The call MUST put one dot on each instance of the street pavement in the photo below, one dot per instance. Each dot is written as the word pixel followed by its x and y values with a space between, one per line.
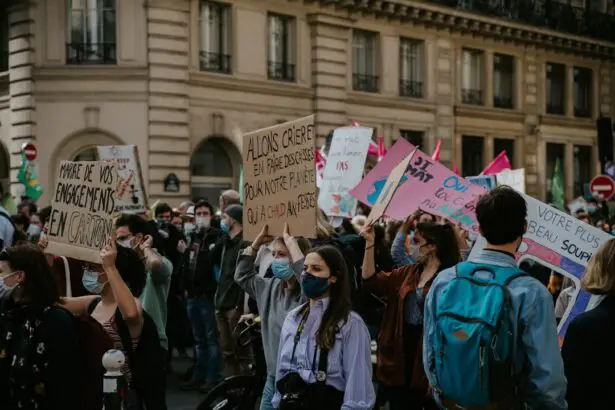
pixel 177 399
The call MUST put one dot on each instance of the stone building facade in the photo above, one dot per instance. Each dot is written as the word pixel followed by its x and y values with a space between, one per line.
pixel 180 78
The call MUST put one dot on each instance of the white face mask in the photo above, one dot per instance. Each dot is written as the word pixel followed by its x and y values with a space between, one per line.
pixel 203 221
pixel 6 291
pixel 126 243
pixel 188 228
pixel 414 252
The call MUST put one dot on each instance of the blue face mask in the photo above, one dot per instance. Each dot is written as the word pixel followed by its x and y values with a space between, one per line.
pixel 90 282
pixel 281 268
pixel 591 209
pixel 225 228
pixel 313 286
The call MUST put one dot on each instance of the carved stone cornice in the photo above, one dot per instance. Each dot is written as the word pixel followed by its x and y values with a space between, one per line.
pixel 464 22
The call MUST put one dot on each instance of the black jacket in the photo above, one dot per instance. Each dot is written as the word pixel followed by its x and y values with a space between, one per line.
pixel 589 358
pixel 200 279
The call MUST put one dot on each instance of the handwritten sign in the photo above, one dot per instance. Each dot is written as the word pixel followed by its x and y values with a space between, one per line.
pixel 280 179
pixel 131 197
pixel 486 181
pixel 83 209
pixel 344 170
pixel 562 243
pixel 390 187
pixel 514 178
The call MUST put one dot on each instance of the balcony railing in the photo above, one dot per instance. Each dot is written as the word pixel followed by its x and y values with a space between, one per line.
pixel 90 53
pixel 365 82
pixel 409 88
pixel 472 96
pixel 549 14
pixel 4 61
pixel 215 62
pixel 556 108
pixel 582 112
pixel 502 102
pixel 281 71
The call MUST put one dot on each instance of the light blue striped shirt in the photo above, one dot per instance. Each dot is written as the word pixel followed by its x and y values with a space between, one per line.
pixel 350 364
pixel 544 386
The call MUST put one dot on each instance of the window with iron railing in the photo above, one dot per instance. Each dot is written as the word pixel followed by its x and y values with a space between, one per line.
pixel 556 89
pixel 364 72
pixel 472 77
pixel 472 155
pixel 582 92
pixel 503 81
pixel 91 32
pixel 411 62
pixel 281 57
pixel 215 26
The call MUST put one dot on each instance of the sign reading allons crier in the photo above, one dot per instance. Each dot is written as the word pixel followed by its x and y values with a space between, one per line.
pixel 280 179
pixel 83 207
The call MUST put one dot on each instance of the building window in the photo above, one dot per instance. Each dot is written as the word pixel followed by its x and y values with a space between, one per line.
pixel 556 88
pixel 503 81
pixel 281 59
pixel 413 137
pixel 504 144
pixel 215 25
pixel 411 59
pixel 91 32
pixel 86 154
pixel 364 71
pixel 472 155
pixel 212 169
pixel 472 77
pixel 554 152
pixel 582 158
pixel 582 92
pixel 4 42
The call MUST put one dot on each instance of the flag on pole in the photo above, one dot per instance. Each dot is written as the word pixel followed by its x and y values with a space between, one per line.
pixel 499 164
pixel 27 175
pixel 382 149
pixel 455 167
pixel 321 162
pixel 557 186
pixel 436 153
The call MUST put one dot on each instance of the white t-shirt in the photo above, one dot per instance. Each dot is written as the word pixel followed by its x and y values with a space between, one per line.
pixel 6 229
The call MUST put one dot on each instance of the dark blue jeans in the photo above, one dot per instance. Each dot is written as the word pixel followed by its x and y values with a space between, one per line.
pixel 201 313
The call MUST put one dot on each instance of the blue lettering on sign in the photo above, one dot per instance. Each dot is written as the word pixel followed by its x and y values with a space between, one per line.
pixel 454 183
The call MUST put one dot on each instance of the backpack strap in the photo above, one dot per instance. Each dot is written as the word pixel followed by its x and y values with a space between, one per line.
pixel 499 274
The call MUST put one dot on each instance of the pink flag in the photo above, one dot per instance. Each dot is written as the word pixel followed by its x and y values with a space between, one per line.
pixel 382 149
pixel 321 162
pixel 500 163
pixel 436 154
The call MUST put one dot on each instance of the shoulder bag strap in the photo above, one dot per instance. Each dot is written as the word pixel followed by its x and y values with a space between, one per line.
pixel 69 287
pixel 93 305
pixel 124 334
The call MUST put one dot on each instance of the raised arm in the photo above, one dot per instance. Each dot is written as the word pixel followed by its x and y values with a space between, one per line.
pixel 369 265
pixel 246 275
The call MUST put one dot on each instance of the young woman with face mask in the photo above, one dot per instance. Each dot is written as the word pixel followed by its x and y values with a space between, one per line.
pixel 324 356
pixel 400 365
pixel 275 296
pixel 39 360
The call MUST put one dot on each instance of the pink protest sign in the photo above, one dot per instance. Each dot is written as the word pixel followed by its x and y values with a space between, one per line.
pixel 427 185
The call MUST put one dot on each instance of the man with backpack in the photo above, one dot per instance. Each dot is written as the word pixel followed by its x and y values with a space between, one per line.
pixel 7 228
pixel 490 337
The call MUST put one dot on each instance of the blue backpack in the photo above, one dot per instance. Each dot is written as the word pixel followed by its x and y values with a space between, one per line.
pixel 474 337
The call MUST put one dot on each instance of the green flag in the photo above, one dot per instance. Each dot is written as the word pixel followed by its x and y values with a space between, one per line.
pixel 557 187
pixel 241 184
pixel 27 175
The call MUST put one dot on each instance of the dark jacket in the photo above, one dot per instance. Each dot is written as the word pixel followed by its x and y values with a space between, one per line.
pixel 589 358
pixel 228 295
pixel 200 279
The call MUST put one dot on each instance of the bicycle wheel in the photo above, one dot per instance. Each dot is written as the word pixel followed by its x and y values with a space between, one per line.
pixel 234 393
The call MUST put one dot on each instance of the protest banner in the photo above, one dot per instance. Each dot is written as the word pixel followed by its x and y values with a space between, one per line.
pixel 344 170
pixel 561 243
pixel 427 185
pixel 83 209
pixel 514 178
pixel 280 179
pixel 390 187
pixel 131 196
pixel 486 181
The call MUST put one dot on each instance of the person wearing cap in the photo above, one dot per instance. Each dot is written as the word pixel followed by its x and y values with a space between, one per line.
pixel 229 300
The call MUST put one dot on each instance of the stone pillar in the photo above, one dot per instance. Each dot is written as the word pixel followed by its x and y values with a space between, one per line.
pixel 445 100
pixel 21 86
pixel 330 47
pixel 534 183
pixel 168 129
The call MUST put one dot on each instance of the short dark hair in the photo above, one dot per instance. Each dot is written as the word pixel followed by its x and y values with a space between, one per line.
pixel 203 203
pixel 163 208
pixel 38 286
pixel 501 215
pixel 136 224
pixel 445 239
pixel 44 213
pixel 21 219
pixel 32 208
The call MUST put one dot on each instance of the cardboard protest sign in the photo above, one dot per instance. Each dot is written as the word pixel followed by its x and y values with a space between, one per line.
pixel 344 170
pixel 561 243
pixel 280 179
pixel 83 210
pixel 131 197
pixel 514 178
pixel 486 181
pixel 392 184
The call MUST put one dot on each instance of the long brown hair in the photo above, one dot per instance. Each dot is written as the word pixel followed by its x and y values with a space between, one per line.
pixel 339 297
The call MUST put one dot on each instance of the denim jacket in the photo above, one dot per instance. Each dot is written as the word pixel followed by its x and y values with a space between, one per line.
pixel 542 383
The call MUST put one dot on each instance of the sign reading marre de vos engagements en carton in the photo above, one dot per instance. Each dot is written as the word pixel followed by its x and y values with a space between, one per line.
pixel 83 208
pixel 280 179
